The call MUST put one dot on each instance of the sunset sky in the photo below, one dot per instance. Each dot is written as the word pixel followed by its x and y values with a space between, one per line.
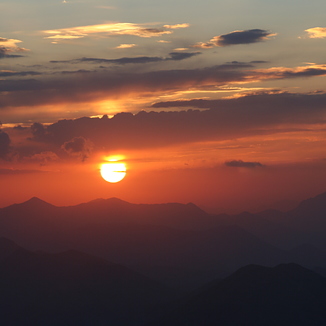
pixel 219 103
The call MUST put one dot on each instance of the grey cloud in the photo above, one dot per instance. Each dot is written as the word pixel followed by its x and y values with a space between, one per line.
pixel 78 146
pixel 175 56
pixel 181 55
pixel 4 53
pixel 4 144
pixel 18 73
pixel 242 164
pixel 80 71
pixel 242 37
pixel 97 84
pixel 236 37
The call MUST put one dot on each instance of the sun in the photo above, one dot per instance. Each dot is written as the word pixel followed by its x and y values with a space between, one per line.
pixel 113 171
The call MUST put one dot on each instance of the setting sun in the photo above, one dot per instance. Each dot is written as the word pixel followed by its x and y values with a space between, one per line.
pixel 113 171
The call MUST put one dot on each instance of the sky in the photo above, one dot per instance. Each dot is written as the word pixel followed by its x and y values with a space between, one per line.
pixel 219 103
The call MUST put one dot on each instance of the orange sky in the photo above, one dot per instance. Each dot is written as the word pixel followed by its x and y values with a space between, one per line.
pixel 222 104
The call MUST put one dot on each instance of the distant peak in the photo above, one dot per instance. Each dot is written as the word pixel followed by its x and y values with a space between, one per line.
pixel 35 201
pixel 116 200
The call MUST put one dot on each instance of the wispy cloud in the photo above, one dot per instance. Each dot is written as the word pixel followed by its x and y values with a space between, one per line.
pixel 9 73
pixel 175 56
pixel 105 30
pixel 125 46
pixel 236 37
pixel 316 32
pixel 177 26
pixel 242 164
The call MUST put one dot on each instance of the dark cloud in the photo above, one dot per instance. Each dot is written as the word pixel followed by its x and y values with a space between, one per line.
pixel 20 128
pixel 258 61
pixel 181 55
pixel 38 131
pixel 218 120
pixel 4 144
pixel 175 56
pixel 242 164
pixel 80 71
pixel 236 37
pixel 105 84
pixel 4 53
pixel 78 146
pixel 242 37
pixel 19 73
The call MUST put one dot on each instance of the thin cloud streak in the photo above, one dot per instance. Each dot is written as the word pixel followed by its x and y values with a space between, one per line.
pixel 105 30
pixel 174 56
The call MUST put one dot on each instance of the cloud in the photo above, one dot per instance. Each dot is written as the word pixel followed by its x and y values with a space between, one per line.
pixel 106 84
pixel 242 164
pixel 43 158
pixel 177 26
pixel 4 53
pixel 133 60
pixel 8 46
pixel 125 46
pixel 8 73
pixel 105 30
pixel 217 120
pixel 316 32
pixel 236 37
pixel 4 144
pixel 78 146
pixel 69 72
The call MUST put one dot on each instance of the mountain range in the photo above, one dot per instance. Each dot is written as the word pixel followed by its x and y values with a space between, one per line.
pixel 110 262
pixel 179 244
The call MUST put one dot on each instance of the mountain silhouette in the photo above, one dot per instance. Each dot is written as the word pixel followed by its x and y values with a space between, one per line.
pixel 73 288
pixel 135 236
pixel 179 244
pixel 285 295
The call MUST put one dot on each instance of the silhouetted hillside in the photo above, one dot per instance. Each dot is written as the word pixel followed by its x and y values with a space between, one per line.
pixel 176 243
pixel 7 247
pixel 72 288
pixel 286 295
pixel 127 234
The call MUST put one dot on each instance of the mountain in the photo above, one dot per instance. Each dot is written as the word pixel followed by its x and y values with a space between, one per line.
pixel 141 237
pixel 179 244
pixel 7 247
pixel 73 288
pixel 284 295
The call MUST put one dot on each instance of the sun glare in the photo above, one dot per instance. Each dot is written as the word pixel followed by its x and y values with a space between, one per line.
pixel 113 171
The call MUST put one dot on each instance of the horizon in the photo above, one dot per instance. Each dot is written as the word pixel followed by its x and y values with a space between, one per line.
pixel 290 206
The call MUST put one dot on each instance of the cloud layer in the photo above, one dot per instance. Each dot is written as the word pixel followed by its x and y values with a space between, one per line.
pixel 223 119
